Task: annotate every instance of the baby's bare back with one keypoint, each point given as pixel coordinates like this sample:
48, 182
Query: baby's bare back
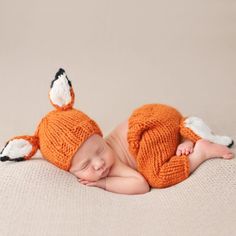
123, 176
118, 140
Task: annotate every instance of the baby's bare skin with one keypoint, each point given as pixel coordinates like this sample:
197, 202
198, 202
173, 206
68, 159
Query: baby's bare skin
185, 148
107, 163
117, 139
113, 168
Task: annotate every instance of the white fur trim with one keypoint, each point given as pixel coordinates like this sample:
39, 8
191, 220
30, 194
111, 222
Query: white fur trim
60, 91
200, 128
17, 148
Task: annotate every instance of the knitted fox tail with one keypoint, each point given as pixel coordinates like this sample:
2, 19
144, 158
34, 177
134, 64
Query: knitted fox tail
194, 128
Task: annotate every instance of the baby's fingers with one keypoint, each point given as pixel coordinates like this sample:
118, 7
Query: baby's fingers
86, 182
91, 184
188, 151
184, 151
82, 181
178, 152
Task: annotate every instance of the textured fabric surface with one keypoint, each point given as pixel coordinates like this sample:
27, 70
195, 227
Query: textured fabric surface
153, 136
61, 133
36, 198
119, 54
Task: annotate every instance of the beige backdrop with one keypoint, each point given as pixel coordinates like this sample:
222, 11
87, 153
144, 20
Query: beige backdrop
119, 55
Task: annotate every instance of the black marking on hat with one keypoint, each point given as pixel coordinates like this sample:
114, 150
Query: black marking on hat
59, 73
7, 158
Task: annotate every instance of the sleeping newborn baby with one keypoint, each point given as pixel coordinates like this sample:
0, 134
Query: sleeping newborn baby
108, 163
154, 147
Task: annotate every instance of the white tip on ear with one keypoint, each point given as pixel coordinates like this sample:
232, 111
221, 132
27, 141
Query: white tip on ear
17, 148
60, 94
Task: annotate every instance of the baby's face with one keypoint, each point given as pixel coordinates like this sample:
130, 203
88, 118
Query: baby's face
93, 160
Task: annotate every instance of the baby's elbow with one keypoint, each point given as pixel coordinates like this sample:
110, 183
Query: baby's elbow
146, 187
143, 186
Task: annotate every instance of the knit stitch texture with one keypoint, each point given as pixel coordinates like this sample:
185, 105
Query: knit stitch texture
154, 133
61, 133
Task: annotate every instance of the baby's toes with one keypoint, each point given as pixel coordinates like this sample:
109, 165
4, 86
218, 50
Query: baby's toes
228, 156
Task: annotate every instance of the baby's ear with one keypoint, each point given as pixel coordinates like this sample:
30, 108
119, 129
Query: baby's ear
61, 94
20, 148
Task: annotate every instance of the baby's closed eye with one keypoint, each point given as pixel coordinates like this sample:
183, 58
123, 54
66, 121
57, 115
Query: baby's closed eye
100, 150
85, 165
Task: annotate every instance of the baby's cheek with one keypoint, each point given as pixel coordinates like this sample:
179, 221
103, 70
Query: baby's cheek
111, 157
81, 175
87, 175
77, 175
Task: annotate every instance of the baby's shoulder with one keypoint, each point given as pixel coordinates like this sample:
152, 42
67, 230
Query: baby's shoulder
122, 128
120, 169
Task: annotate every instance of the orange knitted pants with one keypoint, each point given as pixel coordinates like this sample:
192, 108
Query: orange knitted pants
154, 133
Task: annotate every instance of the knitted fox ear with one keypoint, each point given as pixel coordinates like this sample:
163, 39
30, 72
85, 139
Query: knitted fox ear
61, 94
19, 148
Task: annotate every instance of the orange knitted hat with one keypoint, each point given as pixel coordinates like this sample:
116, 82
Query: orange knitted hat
59, 134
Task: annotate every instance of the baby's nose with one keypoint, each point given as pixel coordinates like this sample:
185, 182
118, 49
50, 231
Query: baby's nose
98, 164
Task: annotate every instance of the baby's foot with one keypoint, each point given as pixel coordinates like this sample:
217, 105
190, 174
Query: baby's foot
185, 148
209, 150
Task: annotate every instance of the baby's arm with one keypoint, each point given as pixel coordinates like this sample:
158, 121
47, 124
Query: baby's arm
122, 179
127, 185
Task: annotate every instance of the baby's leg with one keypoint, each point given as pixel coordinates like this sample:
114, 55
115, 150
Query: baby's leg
204, 150
178, 168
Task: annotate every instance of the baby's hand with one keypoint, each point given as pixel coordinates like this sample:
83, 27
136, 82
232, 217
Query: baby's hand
101, 183
185, 148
